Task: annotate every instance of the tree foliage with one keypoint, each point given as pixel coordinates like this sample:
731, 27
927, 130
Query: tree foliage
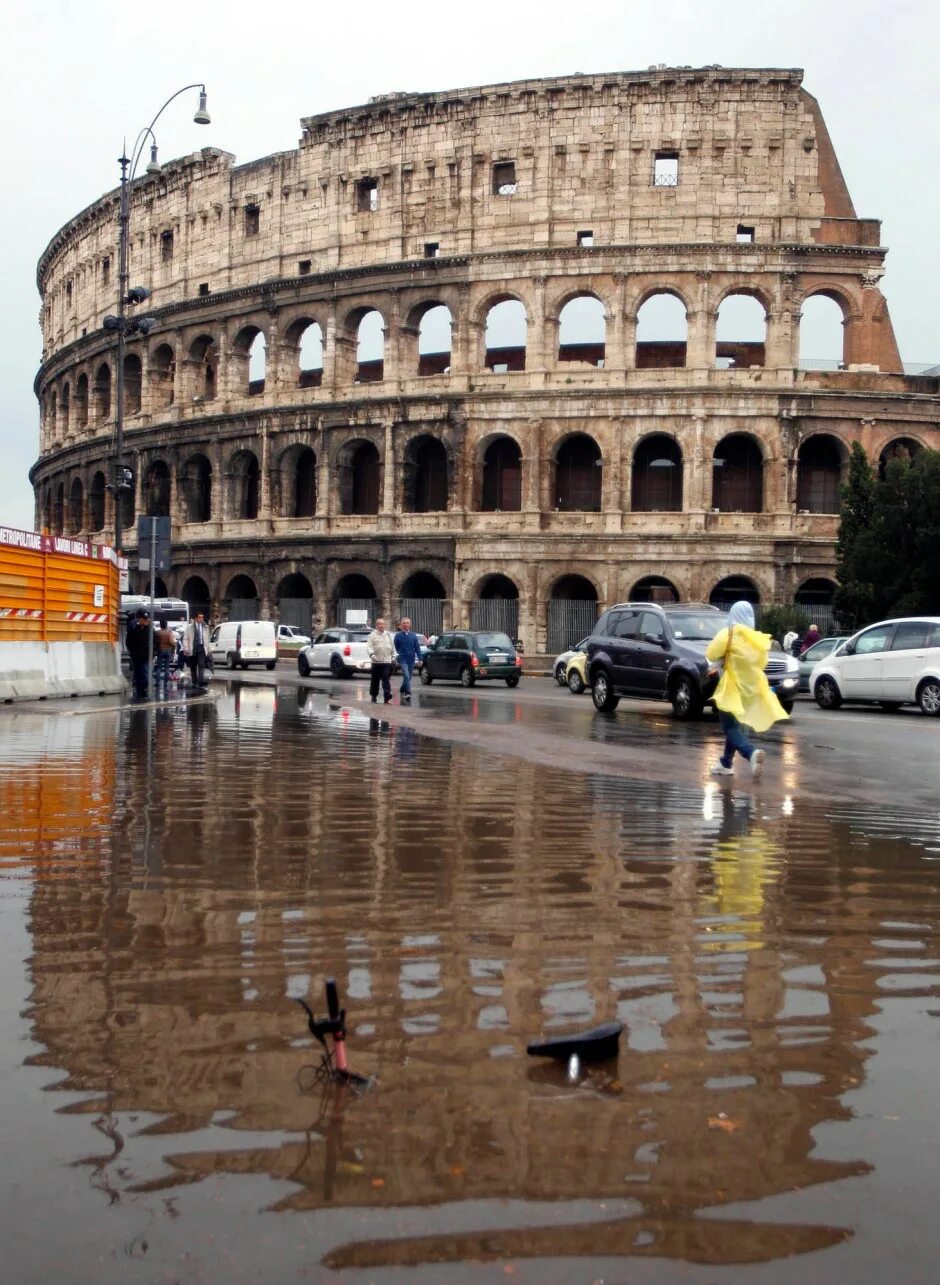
888, 549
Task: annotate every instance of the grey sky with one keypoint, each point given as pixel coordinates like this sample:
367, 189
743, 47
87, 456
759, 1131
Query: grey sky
66, 107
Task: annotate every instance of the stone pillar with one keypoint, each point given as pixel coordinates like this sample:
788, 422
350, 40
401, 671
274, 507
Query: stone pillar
536, 357
529, 609
697, 481
264, 479
329, 349
700, 340
389, 474
391, 351
620, 337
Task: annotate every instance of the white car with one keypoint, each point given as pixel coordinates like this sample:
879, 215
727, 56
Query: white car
341, 650
896, 662
291, 636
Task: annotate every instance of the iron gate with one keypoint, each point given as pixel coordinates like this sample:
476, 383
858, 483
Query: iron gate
426, 614
569, 620
242, 609
297, 612
500, 614
372, 606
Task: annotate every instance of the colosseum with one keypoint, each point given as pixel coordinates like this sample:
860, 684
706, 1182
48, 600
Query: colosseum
499, 355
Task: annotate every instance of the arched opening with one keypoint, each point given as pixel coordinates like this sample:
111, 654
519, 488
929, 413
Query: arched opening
425, 476
662, 332
741, 332
196, 483
48, 511
204, 356
162, 374
196, 593
52, 413
578, 475
244, 481
308, 337
501, 484
257, 364
654, 589
656, 483
81, 401
159, 587
822, 334
738, 475
76, 506
816, 597
157, 490
734, 589
295, 602
434, 340
133, 383
819, 475
66, 407
96, 496
355, 593
103, 393
582, 331
240, 600
359, 477
496, 606
505, 337
902, 448
58, 511
422, 601
370, 348
249, 358
305, 484
127, 502
572, 612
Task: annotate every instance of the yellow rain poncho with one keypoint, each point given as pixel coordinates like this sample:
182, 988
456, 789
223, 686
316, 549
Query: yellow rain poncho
743, 689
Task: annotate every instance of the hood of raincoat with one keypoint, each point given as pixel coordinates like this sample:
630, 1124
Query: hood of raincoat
742, 613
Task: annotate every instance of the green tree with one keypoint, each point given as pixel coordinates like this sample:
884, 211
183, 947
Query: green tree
854, 597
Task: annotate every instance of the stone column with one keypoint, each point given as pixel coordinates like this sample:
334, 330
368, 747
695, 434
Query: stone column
389, 475
537, 338
264, 480
620, 338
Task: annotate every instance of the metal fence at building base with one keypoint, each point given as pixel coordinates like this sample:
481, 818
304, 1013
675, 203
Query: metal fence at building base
297, 612
569, 620
498, 614
426, 614
241, 609
371, 606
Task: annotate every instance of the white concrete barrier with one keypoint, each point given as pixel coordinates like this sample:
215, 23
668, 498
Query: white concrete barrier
40, 670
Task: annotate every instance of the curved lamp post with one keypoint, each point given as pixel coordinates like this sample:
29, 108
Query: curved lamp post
121, 324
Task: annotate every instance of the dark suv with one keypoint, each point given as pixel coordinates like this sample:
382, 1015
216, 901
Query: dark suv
648, 650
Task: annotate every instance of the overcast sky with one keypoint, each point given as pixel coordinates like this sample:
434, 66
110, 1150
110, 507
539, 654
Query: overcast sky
80, 74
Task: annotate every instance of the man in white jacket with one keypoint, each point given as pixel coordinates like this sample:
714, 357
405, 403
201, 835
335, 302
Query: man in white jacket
196, 648
381, 651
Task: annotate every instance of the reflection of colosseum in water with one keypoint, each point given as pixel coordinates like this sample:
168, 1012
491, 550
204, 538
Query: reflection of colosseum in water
504, 353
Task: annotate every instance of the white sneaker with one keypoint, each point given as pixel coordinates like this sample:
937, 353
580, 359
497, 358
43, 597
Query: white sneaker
720, 770
757, 763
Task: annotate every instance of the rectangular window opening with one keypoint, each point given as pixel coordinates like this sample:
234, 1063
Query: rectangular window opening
303, 267
586, 238
252, 220
105, 271
744, 234
431, 249
166, 246
504, 179
68, 292
204, 287
367, 195
666, 169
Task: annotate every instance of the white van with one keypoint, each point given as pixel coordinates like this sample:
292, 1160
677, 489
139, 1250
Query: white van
240, 643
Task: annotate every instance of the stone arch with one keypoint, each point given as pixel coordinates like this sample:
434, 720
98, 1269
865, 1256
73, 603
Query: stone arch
496, 585
582, 329
354, 591
662, 329
505, 335
578, 474
162, 370
102, 393
304, 339
820, 462
899, 448
572, 610
249, 359
133, 384
81, 400
300, 475
240, 600
359, 476
204, 360
196, 593
495, 604
422, 600
196, 487
76, 506
654, 589
294, 597
501, 475
741, 328
244, 485
823, 320
159, 588
738, 475
817, 591
425, 475
734, 589
51, 415
96, 501
428, 331
157, 490
656, 475
47, 509
58, 510
364, 333
65, 406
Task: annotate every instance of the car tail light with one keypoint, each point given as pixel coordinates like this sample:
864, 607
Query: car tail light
473, 661
347, 650
519, 661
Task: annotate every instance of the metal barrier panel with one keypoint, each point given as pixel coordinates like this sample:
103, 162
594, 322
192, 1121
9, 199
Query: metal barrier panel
297, 612
372, 606
426, 614
500, 614
569, 620
54, 589
242, 609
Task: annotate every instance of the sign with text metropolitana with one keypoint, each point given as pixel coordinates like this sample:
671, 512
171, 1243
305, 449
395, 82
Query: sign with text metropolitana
40, 543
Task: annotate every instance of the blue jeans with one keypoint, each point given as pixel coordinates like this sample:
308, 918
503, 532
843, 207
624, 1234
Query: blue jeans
407, 668
164, 659
734, 739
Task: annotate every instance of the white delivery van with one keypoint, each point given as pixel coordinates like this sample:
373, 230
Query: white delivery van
240, 643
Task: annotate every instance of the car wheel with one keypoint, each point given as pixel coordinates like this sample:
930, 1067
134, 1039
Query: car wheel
337, 668
467, 678
928, 696
605, 702
513, 682
270, 664
560, 675
787, 707
686, 698
575, 683
827, 693
890, 706
303, 666
426, 679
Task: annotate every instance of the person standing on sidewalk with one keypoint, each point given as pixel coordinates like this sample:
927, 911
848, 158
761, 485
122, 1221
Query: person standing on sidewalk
196, 649
138, 648
743, 697
408, 650
381, 651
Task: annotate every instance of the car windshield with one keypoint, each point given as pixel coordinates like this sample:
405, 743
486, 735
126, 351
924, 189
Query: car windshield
494, 640
697, 627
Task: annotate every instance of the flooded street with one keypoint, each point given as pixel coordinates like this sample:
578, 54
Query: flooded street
170, 879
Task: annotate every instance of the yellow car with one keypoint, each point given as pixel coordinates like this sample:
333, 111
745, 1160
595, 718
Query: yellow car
576, 673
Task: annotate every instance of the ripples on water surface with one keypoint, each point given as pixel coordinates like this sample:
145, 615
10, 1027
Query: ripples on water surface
181, 875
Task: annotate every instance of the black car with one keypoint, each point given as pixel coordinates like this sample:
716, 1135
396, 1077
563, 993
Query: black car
467, 656
657, 652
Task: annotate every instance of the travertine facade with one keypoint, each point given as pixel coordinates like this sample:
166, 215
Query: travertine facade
571, 466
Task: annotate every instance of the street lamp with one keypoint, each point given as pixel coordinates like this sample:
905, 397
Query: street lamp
120, 324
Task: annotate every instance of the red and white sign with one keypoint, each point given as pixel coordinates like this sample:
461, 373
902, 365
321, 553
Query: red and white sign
20, 613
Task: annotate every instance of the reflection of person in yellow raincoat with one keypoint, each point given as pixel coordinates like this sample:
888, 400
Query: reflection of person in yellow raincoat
743, 695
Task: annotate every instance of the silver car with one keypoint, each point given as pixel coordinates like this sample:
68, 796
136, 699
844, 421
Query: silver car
819, 651
561, 662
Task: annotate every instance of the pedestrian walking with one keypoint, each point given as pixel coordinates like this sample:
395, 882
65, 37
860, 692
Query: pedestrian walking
196, 649
789, 638
812, 636
743, 697
138, 645
381, 651
408, 651
165, 646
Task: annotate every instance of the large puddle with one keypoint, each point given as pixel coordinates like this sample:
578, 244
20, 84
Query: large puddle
170, 879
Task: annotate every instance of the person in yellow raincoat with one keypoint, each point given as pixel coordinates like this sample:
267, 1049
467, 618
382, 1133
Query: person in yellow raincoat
743, 695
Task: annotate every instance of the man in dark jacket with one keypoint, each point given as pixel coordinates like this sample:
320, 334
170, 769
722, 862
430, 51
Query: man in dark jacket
408, 650
139, 633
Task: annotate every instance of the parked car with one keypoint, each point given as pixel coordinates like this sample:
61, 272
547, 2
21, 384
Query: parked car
657, 652
560, 665
894, 663
576, 671
341, 650
819, 651
467, 656
240, 643
289, 636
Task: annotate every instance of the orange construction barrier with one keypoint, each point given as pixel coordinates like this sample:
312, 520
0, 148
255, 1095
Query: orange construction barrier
55, 589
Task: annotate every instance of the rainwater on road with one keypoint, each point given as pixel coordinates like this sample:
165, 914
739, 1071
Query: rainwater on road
171, 878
